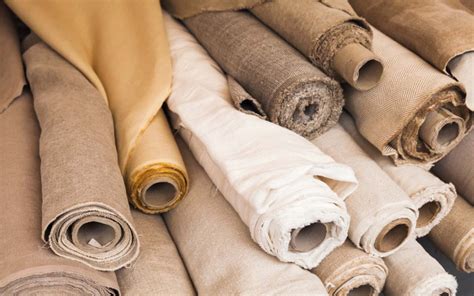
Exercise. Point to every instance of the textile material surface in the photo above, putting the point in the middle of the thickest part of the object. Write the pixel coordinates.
(455, 235)
(86, 216)
(322, 30)
(184, 8)
(350, 271)
(432, 197)
(218, 252)
(458, 167)
(415, 114)
(12, 76)
(461, 68)
(412, 271)
(383, 227)
(292, 92)
(159, 269)
(27, 267)
(243, 101)
(294, 208)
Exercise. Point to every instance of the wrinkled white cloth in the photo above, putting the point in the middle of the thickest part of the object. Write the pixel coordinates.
(276, 180)
(462, 68)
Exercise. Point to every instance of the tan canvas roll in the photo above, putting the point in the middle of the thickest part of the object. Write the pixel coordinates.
(184, 9)
(292, 92)
(27, 266)
(86, 216)
(412, 105)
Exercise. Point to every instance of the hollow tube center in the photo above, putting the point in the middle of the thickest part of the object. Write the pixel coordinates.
(427, 213)
(307, 238)
(365, 290)
(369, 75)
(393, 236)
(95, 234)
(159, 194)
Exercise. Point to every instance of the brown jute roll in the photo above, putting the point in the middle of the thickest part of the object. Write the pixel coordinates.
(349, 271)
(330, 34)
(27, 266)
(292, 92)
(86, 216)
(415, 114)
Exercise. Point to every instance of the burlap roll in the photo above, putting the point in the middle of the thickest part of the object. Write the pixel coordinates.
(86, 216)
(330, 34)
(243, 101)
(220, 256)
(27, 267)
(455, 235)
(159, 269)
(292, 92)
(458, 167)
(288, 193)
(412, 271)
(350, 271)
(383, 227)
(432, 197)
(416, 114)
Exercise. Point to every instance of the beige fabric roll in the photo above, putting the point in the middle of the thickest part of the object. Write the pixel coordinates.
(216, 247)
(159, 269)
(86, 216)
(455, 235)
(432, 197)
(413, 104)
(383, 227)
(348, 271)
(27, 267)
(184, 8)
(243, 101)
(412, 271)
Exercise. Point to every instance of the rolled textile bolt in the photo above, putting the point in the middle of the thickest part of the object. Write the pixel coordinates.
(309, 237)
(359, 67)
(442, 129)
(243, 101)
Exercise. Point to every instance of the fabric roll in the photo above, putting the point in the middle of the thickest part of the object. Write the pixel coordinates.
(416, 118)
(292, 92)
(184, 9)
(243, 101)
(27, 267)
(461, 68)
(383, 227)
(455, 235)
(412, 271)
(458, 167)
(432, 197)
(159, 269)
(330, 34)
(12, 76)
(288, 193)
(106, 43)
(350, 271)
(86, 216)
(218, 252)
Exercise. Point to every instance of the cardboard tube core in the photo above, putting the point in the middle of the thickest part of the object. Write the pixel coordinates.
(160, 194)
(428, 213)
(393, 235)
(441, 129)
(96, 234)
(307, 238)
(358, 66)
(365, 290)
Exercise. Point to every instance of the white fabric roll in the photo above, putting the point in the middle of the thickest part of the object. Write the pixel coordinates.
(283, 187)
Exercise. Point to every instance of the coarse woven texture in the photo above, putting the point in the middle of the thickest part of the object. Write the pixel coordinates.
(243, 101)
(184, 8)
(383, 227)
(292, 92)
(159, 269)
(416, 118)
(461, 68)
(455, 235)
(12, 76)
(350, 271)
(432, 197)
(27, 267)
(86, 216)
(413, 272)
(458, 167)
(218, 252)
(274, 198)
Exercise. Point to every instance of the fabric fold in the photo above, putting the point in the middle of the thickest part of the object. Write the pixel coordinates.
(86, 216)
(243, 101)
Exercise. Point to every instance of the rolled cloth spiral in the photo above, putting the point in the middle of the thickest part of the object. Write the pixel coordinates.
(383, 227)
(86, 216)
(349, 271)
(432, 197)
(27, 267)
(293, 93)
(330, 34)
(416, 118)
(288, 193)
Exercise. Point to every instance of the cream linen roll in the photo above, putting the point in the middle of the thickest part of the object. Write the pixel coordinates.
(432, 197)
(218, 252)
(288, 193)
(27, 267)
(383, 227)
(412, 271)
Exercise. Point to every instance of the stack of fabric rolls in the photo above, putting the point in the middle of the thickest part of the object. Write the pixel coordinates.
(258, 147)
